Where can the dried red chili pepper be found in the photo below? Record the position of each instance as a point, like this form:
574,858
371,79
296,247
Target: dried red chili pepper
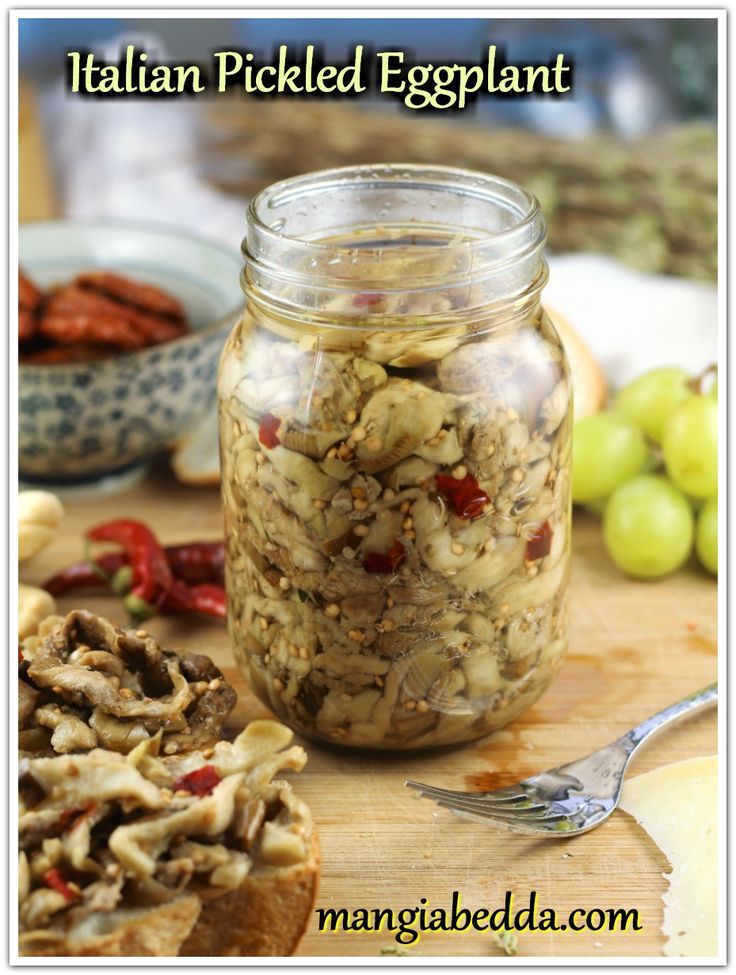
209,599
152,577
176,579
70,818
83,575
200,782
54,878
195,562
206,598
67,816
267,430
385,561
465,495
539,543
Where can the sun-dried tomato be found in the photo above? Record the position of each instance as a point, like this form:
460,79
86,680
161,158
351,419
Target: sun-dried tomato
539,542
135,294
267,430
73,315
95,315
200,782
465,495
54,878
30,300
52,355
385,561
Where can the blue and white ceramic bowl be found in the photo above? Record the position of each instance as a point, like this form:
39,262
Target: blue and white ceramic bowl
81,423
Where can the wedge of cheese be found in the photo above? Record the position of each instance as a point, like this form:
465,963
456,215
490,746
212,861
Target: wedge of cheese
678,806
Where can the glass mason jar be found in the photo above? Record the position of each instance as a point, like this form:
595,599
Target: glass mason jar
395,417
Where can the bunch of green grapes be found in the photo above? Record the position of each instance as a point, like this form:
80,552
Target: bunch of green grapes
649,467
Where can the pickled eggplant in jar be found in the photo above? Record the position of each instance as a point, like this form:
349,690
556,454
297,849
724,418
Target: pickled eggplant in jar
395,419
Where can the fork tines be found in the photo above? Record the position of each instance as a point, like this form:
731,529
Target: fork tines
510,807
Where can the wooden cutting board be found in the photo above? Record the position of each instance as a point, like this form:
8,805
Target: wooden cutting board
635,648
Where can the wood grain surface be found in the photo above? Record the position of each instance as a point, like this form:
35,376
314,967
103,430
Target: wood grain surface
635,647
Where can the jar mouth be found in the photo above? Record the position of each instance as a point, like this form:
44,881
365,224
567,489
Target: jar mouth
395,228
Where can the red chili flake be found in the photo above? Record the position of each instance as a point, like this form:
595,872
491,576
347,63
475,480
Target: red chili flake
385,562
363,300
200,782
267,430
71,818
539,542
467,498
65,819
55,879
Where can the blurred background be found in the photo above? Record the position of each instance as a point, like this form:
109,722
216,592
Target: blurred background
625,166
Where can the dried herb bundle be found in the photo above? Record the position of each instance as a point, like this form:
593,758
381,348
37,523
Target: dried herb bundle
651,203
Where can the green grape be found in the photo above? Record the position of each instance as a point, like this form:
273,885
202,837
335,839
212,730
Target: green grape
706,535
690,446
607,449
649,400
648,527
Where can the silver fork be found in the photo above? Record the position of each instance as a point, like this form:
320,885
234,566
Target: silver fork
570,799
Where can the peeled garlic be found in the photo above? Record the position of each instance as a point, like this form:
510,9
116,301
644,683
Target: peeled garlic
34,605
39,515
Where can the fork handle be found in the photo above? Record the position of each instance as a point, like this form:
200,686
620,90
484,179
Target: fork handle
682,709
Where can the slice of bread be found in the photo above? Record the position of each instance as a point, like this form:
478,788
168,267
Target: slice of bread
209,846
196,455
147,846
590,390
134,932
266,916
